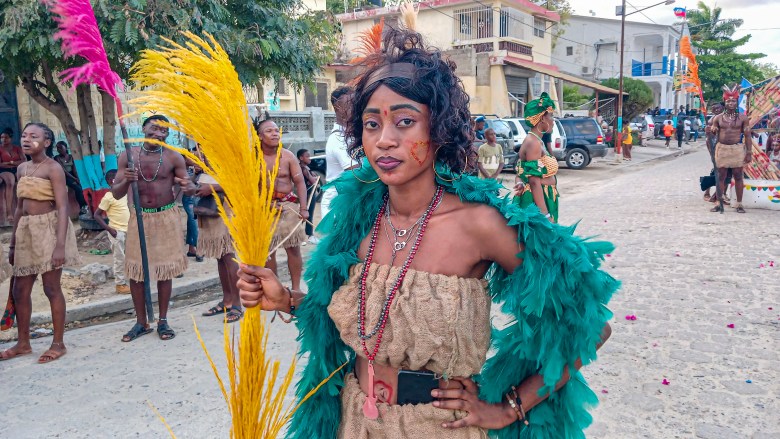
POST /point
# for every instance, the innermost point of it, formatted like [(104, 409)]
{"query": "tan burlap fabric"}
[(36, 237), (437, 322), (164, 246), (729, 156), (288, 221), (6, 270), (214, 239)]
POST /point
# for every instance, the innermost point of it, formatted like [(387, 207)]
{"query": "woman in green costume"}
[(536, 168), (415, 255)]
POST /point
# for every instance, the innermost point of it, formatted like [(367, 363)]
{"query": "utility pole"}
[(678, 67), (619, 134)]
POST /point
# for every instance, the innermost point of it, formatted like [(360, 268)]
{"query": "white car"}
[(643, 124), (519, 130)]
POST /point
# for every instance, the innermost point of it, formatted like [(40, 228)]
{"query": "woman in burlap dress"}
[(43, 240), (214, 241)]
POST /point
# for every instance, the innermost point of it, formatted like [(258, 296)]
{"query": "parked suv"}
[(584, 141)]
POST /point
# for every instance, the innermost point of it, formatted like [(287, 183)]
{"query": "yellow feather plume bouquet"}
[(197, 86)]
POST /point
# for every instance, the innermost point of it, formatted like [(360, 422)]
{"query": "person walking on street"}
[(732, 128), (43, 241), (668, 131), (312, 187), (628, 142), (11, 156), (214, 241), (290, 198), (118, 216), (188, 204), (490, 156), (695, 127), (337, 160), (687, 125), (65, 159), (160, 171), (680, 132), (536, 182)]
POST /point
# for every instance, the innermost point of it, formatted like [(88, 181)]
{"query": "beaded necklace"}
[(141, 169), (369, 407)]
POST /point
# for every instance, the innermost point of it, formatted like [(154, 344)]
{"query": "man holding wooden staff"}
[(160, 170), (290, 198), (731, 128)]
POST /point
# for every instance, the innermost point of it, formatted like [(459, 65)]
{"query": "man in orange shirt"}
[(668, 131)]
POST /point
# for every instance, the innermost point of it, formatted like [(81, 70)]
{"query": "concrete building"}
[(503, 48), (590, 48)]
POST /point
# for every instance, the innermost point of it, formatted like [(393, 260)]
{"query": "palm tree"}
[(705, 24)]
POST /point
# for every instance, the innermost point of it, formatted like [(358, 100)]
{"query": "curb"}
[(118, 304)]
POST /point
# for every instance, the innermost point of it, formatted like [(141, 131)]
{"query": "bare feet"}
[(15, 351), (56, 350)]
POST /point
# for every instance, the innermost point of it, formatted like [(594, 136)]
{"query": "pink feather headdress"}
[(81, 37)]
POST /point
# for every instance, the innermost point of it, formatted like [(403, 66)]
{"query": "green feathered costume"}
[(557, 297)]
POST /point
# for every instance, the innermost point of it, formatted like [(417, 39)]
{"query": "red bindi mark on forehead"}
[(385, 112)]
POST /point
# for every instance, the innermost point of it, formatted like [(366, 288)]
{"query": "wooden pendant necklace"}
[(370, 409)]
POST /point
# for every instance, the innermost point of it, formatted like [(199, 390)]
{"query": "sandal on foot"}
[(51, 355), (219, 308), (716, 209), (136, 331), (10, 354), (740, 209), (234, 314), (164, 331)]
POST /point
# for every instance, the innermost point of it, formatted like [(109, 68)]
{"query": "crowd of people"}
[(399, 166)]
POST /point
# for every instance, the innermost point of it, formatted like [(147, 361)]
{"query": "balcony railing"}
[(664, 67), (513, 47)]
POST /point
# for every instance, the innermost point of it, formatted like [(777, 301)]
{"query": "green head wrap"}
[(537, 108)]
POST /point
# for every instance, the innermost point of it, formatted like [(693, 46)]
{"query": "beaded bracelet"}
[(513, 404), (519, 402), (292, 309)]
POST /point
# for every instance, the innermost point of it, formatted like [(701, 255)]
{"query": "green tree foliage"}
[(767, 69), (719, 62), (572, 97), (640, 95), (265, 39)]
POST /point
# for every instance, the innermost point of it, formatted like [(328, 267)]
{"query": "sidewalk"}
[(86, 300)]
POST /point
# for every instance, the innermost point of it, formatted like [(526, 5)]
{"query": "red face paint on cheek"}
[(420, 151)]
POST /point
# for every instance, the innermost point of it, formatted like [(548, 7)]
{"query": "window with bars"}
[(569, 50), (473, 23), (282, 88), (512, 23), (540, 27)]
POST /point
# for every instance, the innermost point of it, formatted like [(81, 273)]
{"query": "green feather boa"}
[(557, 299)]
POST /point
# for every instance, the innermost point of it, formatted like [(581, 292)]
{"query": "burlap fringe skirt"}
[(164, 246), (288, 221), (36, 237), (214, 240), (729, 156)]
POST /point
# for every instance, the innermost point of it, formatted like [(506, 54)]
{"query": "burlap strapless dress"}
[(436, 322)]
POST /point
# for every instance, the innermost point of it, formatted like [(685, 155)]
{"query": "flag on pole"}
[(679, 12), (742, 98)]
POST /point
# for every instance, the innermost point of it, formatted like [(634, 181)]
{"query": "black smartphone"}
[(414, 387)]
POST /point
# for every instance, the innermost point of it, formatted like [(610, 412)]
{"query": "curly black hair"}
[(434, 84)]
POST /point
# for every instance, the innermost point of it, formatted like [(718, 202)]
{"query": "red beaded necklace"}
[(369, 407)]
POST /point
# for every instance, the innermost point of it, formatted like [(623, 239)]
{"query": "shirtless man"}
[(729, 127), (160, 170), (290, 196)]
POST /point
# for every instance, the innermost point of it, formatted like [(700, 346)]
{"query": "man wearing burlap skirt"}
[(732, 128), (290, 198), (157, 171)]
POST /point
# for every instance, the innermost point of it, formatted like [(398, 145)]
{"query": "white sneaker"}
[(314, 240)]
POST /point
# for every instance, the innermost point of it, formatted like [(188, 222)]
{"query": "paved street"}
[(688, 274)]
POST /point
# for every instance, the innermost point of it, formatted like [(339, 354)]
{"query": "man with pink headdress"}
[(731, 130)]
